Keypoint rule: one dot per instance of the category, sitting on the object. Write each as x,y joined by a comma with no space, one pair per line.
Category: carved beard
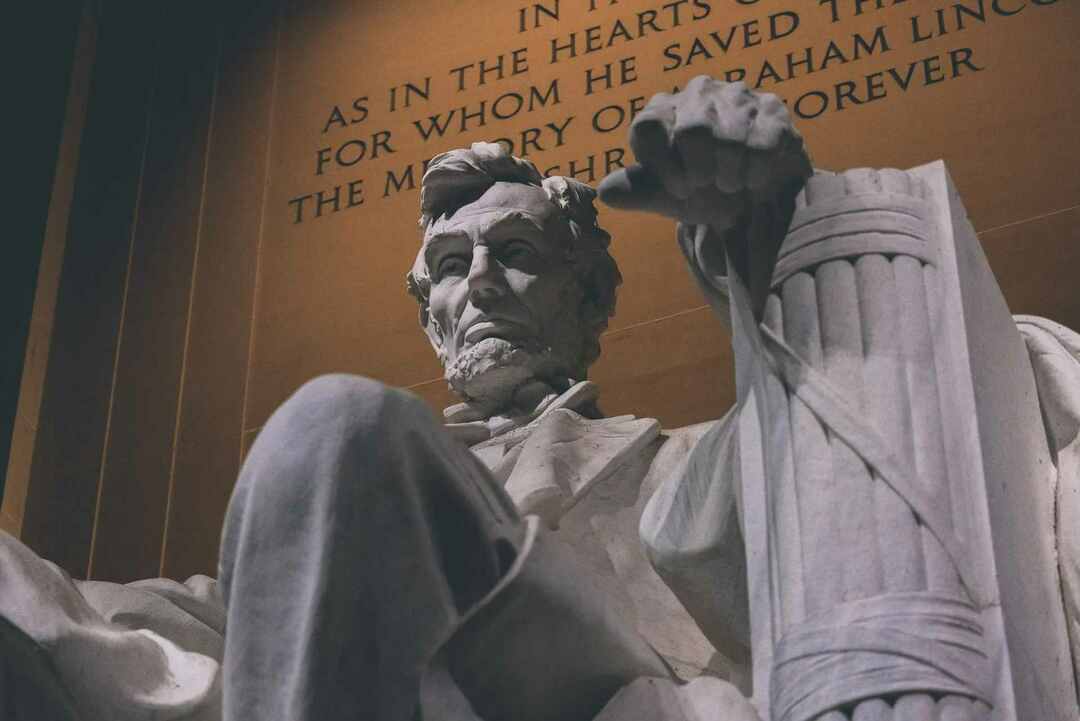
488,374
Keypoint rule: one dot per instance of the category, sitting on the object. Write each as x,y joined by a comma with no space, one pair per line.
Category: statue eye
452,265
516,250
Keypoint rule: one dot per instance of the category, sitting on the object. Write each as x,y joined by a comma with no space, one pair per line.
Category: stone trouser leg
358,538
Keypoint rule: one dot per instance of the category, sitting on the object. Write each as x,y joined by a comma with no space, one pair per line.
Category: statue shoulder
687,458
1054,351
679,442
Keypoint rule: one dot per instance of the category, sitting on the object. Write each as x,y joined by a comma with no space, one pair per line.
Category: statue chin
489,373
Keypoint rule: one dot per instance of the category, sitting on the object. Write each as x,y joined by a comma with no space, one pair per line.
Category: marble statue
883,528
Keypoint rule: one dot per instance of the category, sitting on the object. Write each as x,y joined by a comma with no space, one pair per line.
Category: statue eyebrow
508,220
515,218
445,237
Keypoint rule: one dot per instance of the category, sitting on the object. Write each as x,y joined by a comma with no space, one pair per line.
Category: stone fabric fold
1055,359
878,646
566,455
121,669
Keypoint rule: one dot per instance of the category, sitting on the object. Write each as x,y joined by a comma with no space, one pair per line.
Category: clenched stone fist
708,154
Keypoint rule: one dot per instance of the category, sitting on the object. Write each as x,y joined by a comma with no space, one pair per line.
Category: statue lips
495,327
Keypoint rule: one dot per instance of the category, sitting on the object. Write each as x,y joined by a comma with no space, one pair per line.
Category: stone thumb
636,187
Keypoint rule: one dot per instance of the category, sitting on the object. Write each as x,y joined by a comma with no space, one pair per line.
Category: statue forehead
501,197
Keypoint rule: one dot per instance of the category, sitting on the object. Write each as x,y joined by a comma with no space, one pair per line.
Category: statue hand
709,153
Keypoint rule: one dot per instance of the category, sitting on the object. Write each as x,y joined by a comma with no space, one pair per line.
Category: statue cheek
447,302
556,306
564,293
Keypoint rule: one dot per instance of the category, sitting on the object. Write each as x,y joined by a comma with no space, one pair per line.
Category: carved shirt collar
500,429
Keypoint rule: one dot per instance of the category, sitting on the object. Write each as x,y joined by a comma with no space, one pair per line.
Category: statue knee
326,464
354,409
338,388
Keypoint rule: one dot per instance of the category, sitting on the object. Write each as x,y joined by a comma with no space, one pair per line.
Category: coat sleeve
691,532
1055,359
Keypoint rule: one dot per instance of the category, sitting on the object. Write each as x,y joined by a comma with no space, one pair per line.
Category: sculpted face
504,298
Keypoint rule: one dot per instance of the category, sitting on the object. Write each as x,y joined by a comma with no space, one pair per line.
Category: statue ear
417,284
433,331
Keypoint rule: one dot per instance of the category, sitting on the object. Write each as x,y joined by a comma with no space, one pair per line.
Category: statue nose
485,278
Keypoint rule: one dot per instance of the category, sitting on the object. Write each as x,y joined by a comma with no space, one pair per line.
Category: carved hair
458,177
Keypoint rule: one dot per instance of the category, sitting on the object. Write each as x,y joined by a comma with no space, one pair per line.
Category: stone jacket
591,480
653,513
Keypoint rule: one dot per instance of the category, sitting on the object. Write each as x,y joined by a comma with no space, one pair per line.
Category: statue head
514,279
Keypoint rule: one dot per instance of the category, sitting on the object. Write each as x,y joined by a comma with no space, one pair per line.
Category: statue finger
770,150
694,134
766,134
701,86
770,121
696,145
761,169
735,109
715,208
776,154
638,187
799,164
731,160
651,141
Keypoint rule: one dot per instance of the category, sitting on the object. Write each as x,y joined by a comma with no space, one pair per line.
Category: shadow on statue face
504,295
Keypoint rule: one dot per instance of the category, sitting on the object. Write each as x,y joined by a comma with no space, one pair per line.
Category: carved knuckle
771,104
736,91
699,85
768,135
659,104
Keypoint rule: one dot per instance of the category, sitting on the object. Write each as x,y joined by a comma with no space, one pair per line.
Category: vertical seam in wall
259,233
39,336
191,304
123,314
